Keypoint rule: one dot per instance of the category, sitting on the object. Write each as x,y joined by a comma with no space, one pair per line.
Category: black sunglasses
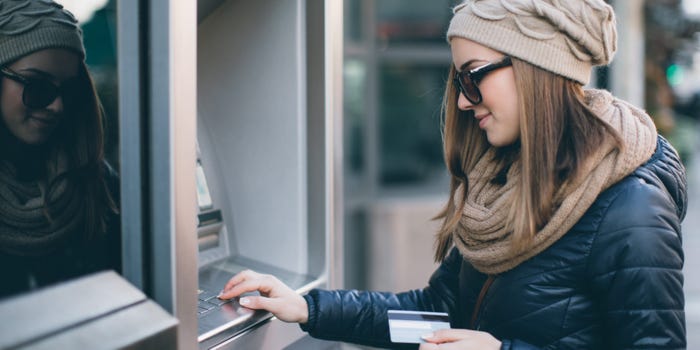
38,92
467,82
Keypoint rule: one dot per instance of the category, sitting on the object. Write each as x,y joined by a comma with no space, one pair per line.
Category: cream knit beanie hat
27,26
566,37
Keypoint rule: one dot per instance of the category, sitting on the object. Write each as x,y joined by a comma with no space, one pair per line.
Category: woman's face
33,126
497,114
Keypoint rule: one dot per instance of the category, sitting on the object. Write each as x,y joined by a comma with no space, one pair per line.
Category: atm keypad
208,301
205,295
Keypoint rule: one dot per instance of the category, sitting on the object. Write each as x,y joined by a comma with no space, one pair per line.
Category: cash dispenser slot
209,229
209,218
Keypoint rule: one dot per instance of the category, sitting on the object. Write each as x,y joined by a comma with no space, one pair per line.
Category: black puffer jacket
613,282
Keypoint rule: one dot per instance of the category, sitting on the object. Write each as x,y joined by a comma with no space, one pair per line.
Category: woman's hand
461,339
275,297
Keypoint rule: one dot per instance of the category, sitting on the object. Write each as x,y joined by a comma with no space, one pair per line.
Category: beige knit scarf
25,229
481,236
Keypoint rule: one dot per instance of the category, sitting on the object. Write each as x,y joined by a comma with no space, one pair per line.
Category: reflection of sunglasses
38,92
467,82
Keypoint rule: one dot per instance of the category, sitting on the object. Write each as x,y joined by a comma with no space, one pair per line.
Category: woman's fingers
256,303
244,287
447,335
460,339
276,297
249,281
240,277
291,308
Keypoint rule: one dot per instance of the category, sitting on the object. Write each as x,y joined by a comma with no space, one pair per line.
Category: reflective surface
100,40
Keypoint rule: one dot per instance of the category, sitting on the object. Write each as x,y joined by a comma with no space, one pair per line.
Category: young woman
58,218
563,226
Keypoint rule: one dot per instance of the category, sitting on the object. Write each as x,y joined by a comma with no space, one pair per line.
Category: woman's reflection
58,196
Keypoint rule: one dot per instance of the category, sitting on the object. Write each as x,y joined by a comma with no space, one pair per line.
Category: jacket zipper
480,300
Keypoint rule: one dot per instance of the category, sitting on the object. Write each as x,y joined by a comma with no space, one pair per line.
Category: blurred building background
396,65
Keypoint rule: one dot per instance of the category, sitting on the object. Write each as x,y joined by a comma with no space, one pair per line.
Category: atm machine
230,158
264,175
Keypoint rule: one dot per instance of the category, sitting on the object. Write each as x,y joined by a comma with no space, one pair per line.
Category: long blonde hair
557,135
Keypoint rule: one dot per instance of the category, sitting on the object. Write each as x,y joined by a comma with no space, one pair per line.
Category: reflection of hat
27,26
566,37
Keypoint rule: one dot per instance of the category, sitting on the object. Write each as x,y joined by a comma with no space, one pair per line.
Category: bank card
410,326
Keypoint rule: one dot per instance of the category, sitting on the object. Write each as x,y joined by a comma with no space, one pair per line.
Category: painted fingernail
427,336
244,301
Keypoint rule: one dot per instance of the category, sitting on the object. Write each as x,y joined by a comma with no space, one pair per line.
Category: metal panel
47,311
157,58
99,311
183,102
317,126
130,142
171,153
333,53
276,335
324,28
161,242
142,326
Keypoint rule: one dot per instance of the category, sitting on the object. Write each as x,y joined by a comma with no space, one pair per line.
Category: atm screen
203,196
210,220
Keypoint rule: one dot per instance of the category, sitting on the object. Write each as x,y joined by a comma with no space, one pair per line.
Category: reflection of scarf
481,235
25,228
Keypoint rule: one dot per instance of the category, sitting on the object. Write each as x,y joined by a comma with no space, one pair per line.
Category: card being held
410,326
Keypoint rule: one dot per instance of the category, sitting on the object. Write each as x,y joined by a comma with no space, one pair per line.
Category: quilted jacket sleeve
361,316
516,344
635,267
